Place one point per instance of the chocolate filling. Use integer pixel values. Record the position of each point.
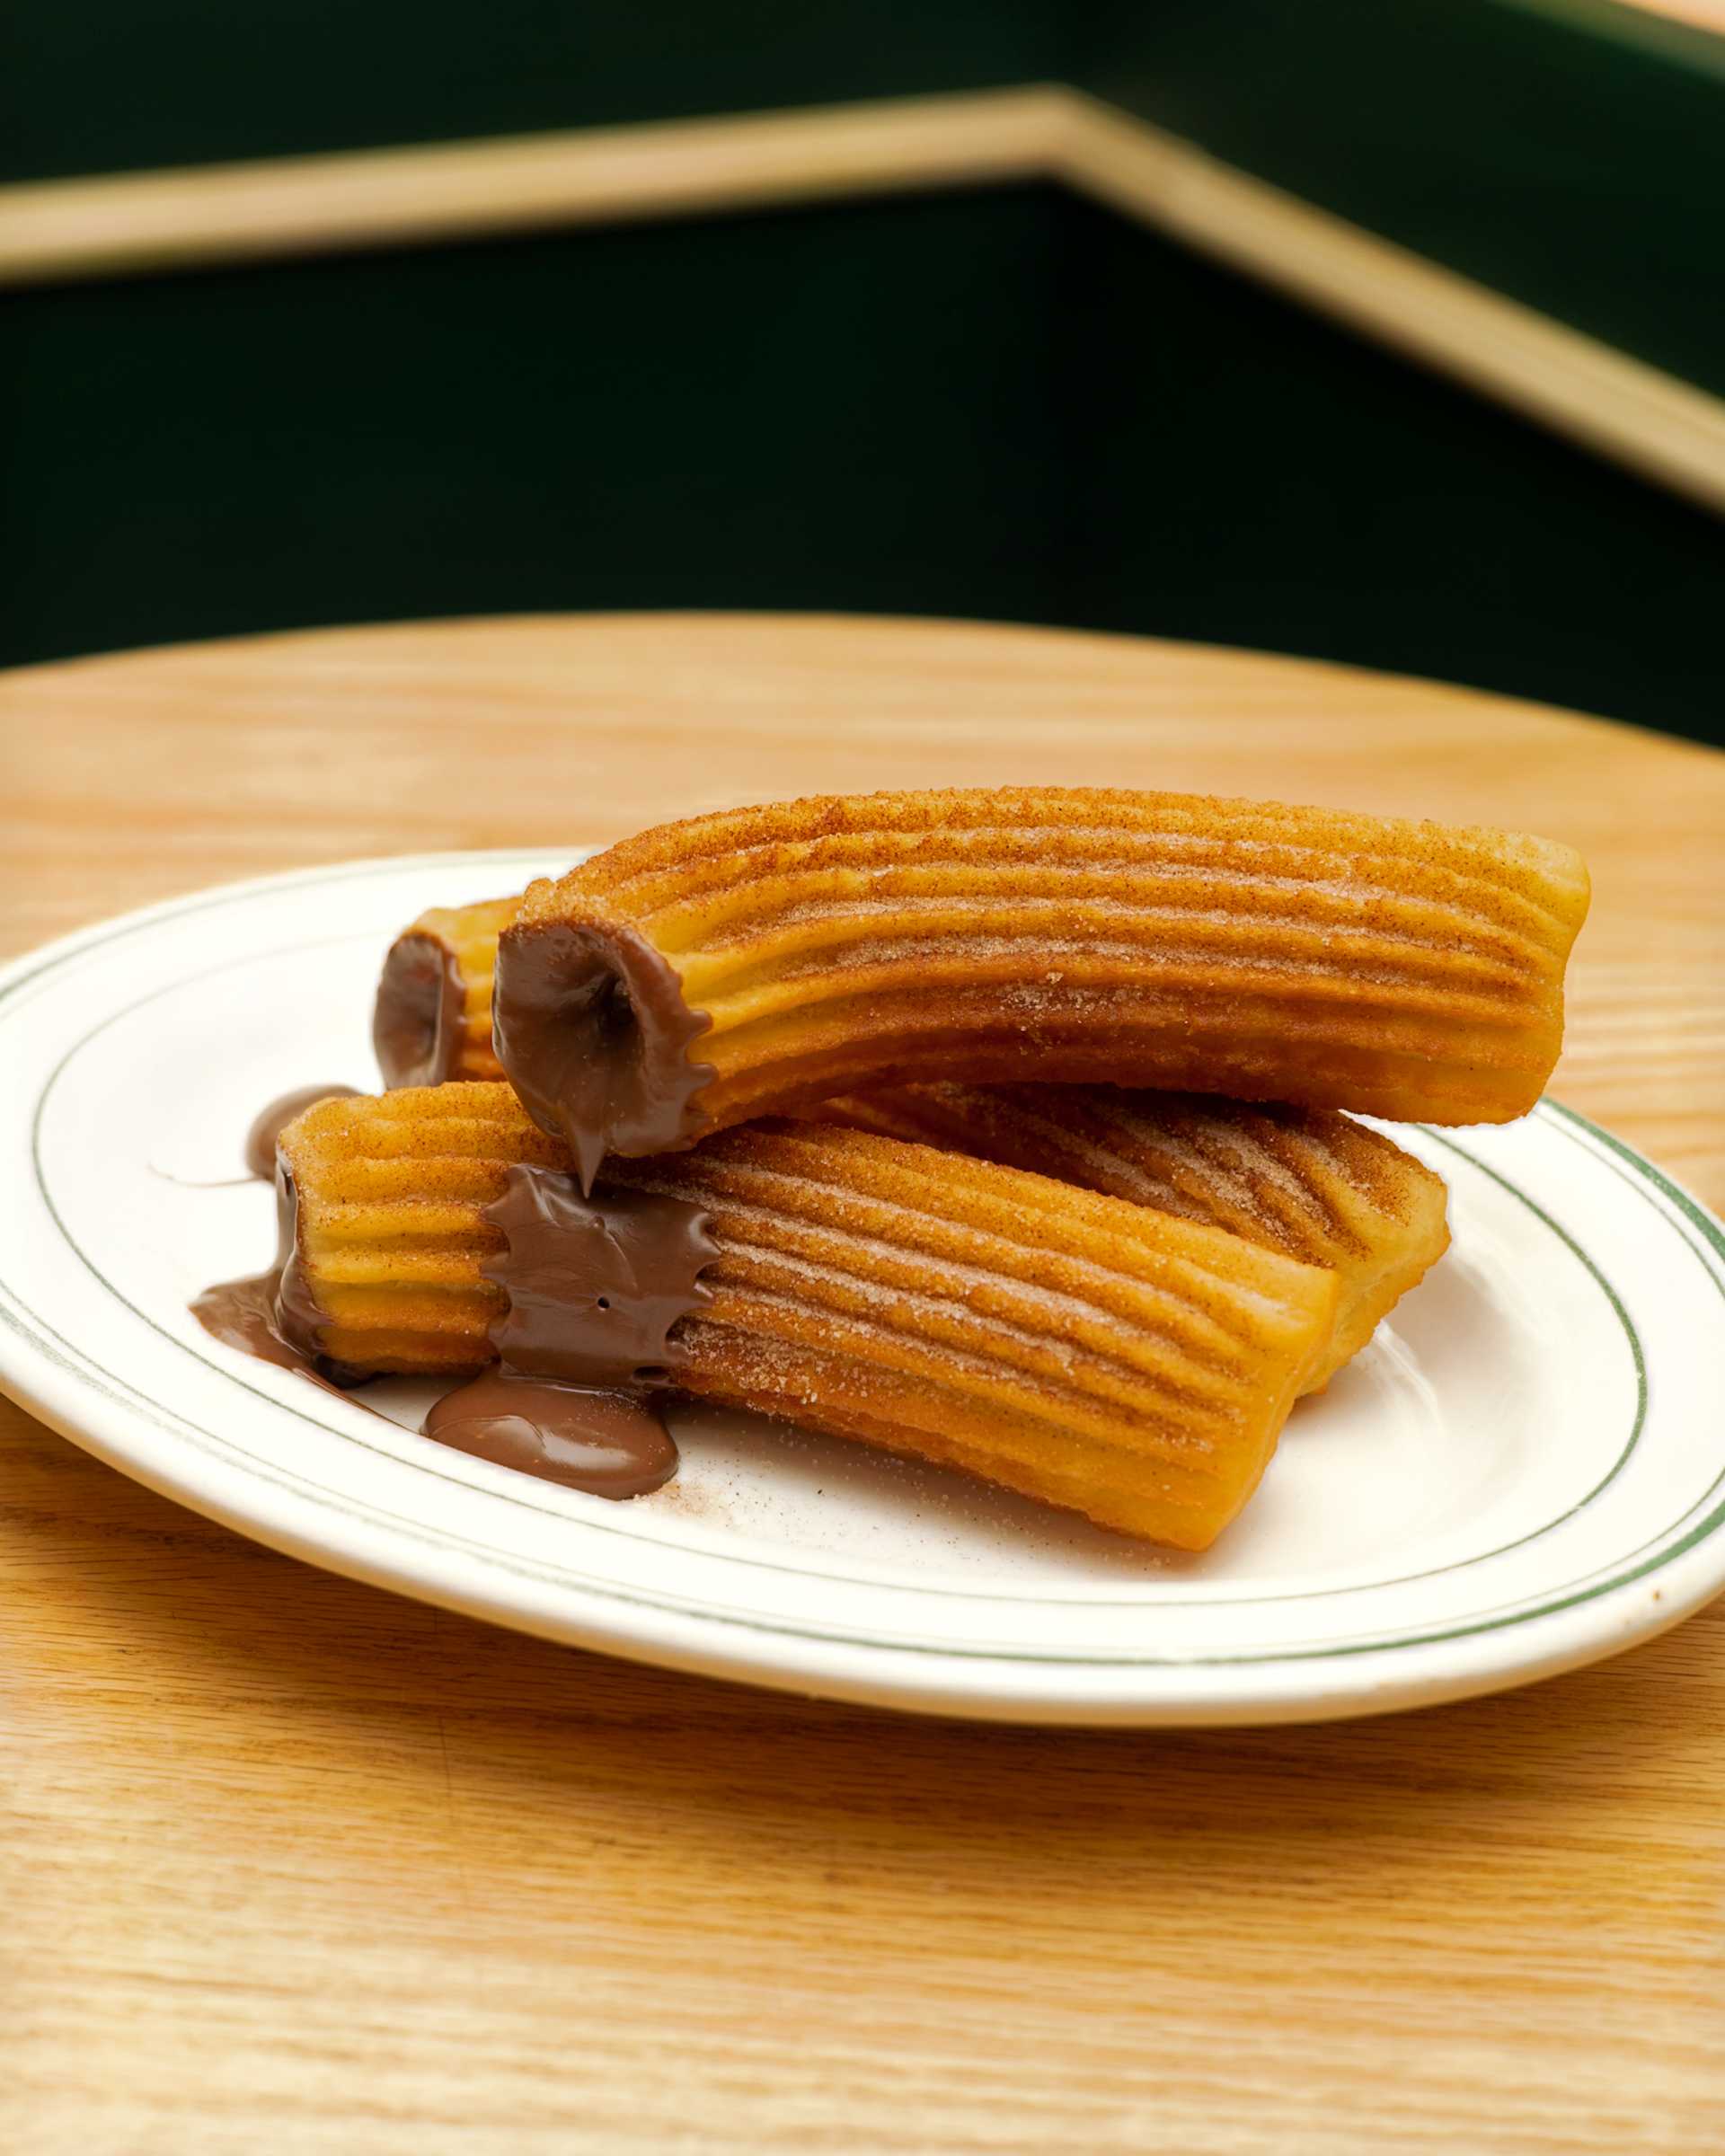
(261, 1139)
(595, 1288)
(417, 1021)
(592, 1029)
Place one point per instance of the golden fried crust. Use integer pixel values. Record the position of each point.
(1311, 1183)
(1410, 970)
(1126, 1364)
(432, 1019)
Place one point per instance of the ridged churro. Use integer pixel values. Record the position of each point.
(741, 963)
(432, 1019)
(1125, 1363)
(1311, 1183)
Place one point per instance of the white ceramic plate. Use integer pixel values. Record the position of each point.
(1524, 1472)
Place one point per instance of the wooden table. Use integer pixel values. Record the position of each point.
(287, 1864)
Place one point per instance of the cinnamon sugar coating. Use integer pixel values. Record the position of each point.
(1311, 1183)
(1410, 970)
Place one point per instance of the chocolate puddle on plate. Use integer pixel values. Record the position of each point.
(610, 1445)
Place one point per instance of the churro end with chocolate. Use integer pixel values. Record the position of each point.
(432, 1021)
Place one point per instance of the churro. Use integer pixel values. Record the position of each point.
(1311, 1183)
(1125, 1363)
(737, 964)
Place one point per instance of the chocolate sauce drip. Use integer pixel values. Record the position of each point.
(242, 1313)
(417, 1020)
(272, 1315)
(610, 1445)
(596, 1287)
(261, 1139)
(298, 1319)
(591, 1027)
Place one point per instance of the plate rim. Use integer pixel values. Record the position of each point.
(989, 1682)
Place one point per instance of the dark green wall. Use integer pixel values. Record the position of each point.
(1569, 153)
(1005, 404)
(102, 85)
(1246, 473)
(838, 408)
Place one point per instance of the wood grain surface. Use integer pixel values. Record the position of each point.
(288, 1864)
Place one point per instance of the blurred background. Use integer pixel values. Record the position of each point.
(1383, 331)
